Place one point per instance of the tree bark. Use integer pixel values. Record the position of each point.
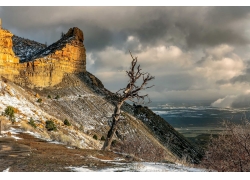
(110, 135)
(114, 126)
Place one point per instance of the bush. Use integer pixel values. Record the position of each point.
(57, 97)
(95, 137)
(230, 150)
(102, 138)
(49, 96)
(10, 112)
(114, 142)
(39, 100)
(50, 126)
(66, 122)
(32, 123)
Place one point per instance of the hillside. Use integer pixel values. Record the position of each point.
(25, 48)
(57, 76)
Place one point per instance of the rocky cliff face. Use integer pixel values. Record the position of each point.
(42, 67)
(8, 60)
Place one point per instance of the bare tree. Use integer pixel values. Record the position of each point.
(0, 126)
(131, 92)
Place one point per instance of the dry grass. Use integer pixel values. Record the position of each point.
(26, 126)
(5, 124)
(184, 161)
(60, 137)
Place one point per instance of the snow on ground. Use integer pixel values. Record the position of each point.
(6, 170)
(139, 167)
(26, 108)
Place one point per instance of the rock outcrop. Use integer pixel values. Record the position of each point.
(8, 60)
(43, 67)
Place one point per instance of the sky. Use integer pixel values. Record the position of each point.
(195, 53)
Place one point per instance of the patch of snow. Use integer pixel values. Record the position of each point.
(140, 167)
(55, 142)
(80, 169)
(6, 170)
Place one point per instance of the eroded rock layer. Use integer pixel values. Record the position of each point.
(47, 66)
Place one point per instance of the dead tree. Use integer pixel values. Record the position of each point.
(131, 92)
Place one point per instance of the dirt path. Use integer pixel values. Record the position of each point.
(32, 154)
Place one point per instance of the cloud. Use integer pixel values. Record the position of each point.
(185, 27)
(233, 101)
(225, 102)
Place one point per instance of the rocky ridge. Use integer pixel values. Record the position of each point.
(25, 48)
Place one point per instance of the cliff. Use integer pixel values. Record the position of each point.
(42, 66)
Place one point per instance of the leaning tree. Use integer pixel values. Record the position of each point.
(131, 93)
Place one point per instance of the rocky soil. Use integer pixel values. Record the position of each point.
(30, 154)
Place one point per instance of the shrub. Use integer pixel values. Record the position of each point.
(57, 97)
(49, 96)
(230, 150)
(102, 138)
(50, 126)
(114, 142)
(95, 137)
(10, 112)
(32, 123)
(66, 122)
(39, 100)
(61, 137)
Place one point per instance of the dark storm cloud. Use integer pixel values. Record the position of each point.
(245, 78)
(185, 27)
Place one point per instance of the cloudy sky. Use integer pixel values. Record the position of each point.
(195, 53)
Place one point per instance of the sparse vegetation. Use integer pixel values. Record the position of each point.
(49, 96)
(4, 124)
(102, 138)
(32, 123)
(230, 151)
(10, 112)
(140, 148)
(60, 137)
(66, 122)
(39, 100)
(114, 142)
(95, 137)
(50, 126)
(57, 97)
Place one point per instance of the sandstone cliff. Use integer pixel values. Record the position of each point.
(44, 67)
(8, 60)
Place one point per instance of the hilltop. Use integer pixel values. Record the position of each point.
(57, 76)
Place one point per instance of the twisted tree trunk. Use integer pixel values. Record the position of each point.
(114, 126)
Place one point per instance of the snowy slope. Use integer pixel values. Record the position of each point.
(26, 107)
(25, 48)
